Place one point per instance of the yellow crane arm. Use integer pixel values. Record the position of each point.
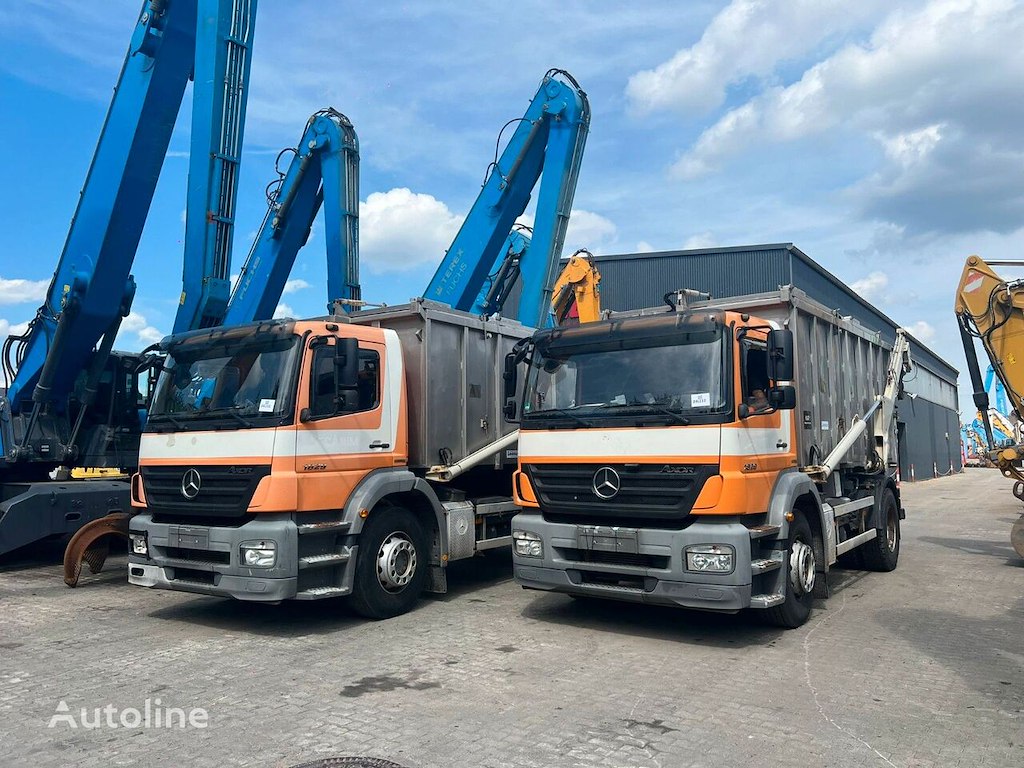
(579, 287)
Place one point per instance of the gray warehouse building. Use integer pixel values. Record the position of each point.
(928, 423)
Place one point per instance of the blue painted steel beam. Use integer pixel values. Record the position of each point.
(93, 272)
(549, 140)
(223, 58)
(324, 171)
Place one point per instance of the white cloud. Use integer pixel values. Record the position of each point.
(589, 230)
(294, 286)
(922, 331)
(644, 247)
(18, 291)
(939, 88)
(872, 287)
(700, 240)
(748, 38)
(135, 325)
(401, 229)
(283, 310)
(7, 328)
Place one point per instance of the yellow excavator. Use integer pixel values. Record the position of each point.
(991, 309)
(576, 297)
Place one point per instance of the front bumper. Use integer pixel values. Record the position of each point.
(562, 568)
(206, 559)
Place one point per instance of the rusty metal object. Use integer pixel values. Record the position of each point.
(91, 544)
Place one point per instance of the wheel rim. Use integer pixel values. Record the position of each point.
(892, 532)
(801, 568)
(396, 562)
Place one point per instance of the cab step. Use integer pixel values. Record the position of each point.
(316, 593)
(762, 531)
(764, 565)
(766, 601)
(323, 561)
(331, 526)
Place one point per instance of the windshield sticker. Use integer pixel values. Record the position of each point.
(267, 406)
(700, 400)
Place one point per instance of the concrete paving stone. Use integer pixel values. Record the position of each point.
(922, 667)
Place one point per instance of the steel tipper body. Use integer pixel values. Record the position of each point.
(292, 459)
(709, 456)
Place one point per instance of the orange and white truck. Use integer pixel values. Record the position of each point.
(293, 459)
(717, 455)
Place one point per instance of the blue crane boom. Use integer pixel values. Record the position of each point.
(70, 400)
(324, 172)
(92, 288)
(547, 145)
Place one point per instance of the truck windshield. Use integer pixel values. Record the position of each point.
(245, 381)
(678, 381)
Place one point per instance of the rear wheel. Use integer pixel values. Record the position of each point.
(800, 574)
(391, 570)
(1017, 536)
(883, 552)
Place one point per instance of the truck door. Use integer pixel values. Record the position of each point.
(342, 434)
(761, 444)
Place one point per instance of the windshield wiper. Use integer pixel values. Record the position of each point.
(167, 417)
(232, 412)
(562, 412)
(675, 415)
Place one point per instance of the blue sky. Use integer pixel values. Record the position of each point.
(882, 138)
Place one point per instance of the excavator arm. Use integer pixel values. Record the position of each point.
(577, 293)
(324, 172)
(547, 145)
(991, 310)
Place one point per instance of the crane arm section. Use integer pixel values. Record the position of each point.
(223, 58)
(324, 172)
(991, 309)
(547, 145)
(578, 288)
(92, 278)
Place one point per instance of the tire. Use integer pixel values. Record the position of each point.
(391, 568)
(800, 561)
(883, 552)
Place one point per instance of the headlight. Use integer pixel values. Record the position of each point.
(139, 544)
(259, 554)
(710, 558)
(527, 544)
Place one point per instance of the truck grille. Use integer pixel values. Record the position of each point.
(225, 491)
(652, 494)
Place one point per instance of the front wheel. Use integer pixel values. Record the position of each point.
(800, 574)
(391, 569)
(883, 552)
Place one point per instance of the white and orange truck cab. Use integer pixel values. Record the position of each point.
(707, 456)
(292, 459)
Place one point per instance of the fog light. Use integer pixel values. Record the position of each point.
(527, 544)
(710, 558)
(259, 554)
(140, 546)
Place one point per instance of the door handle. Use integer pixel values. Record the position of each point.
(782, 445)
(379, 444)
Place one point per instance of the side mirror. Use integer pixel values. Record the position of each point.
(305, 415)
(780, 355)
(346, 363)
(782, 398)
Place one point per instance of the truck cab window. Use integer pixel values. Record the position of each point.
(325, 400)
(754, 374)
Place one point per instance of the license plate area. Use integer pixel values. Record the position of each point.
(607, 538)
(188, 537)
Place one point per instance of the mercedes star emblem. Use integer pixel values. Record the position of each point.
(606, 482)
(191, 482)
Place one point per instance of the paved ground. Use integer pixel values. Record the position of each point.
(920, 667)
